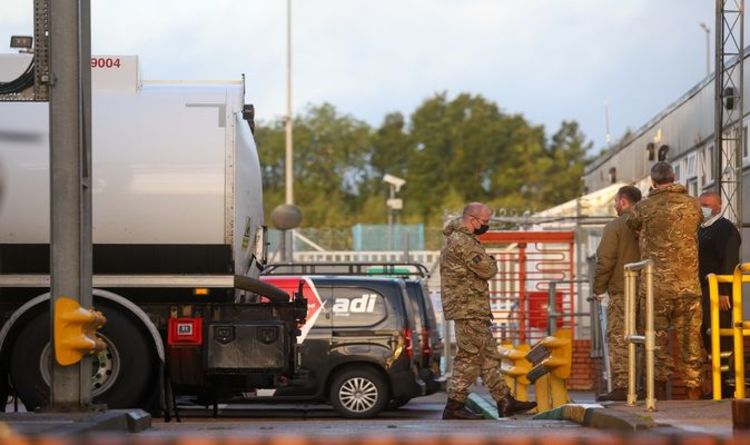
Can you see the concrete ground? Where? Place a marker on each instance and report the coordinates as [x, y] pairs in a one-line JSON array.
[[420, 418], [699, 416], [671, 416], [72, 423]]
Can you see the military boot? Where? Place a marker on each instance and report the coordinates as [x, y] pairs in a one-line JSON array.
[[509, 406], [458, 411]]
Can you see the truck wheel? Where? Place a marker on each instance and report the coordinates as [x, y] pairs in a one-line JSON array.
[[122, 375], [359, 393], [4, 391]]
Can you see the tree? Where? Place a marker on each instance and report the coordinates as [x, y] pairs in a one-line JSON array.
[[470, 146], [450, 151], [566, 151], [390, 149], [330, 161]]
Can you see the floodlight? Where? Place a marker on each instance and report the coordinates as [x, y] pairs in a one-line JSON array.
[[22, 42]]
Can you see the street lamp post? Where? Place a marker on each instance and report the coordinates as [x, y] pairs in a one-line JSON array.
[[708, 47], [287, 217], [288, 124], [394, 204]]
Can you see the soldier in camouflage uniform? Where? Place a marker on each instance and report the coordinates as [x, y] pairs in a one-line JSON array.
[[617, 248], [667, 227], [465, 268]]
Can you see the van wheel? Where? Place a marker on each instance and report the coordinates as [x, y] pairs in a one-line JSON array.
[[358, 393], [122, 376]]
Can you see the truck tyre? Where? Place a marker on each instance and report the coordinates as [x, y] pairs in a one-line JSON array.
[[123, 375], [359, 393], [4, 390]]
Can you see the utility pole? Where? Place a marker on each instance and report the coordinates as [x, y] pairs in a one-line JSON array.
[[708, 47], [607, 136], [289, 162], [288, 235], [70, 182], [729, 107]]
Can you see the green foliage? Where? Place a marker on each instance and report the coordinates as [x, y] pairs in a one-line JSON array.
[[450, 151]]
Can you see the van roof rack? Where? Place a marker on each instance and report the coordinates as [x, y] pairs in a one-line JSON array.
[[403, 269]]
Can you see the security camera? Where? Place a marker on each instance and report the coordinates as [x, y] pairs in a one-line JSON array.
[[394, 181]]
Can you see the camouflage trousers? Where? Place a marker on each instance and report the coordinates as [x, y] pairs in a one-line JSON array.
[[683, 313], [477, 356], [618, 347]]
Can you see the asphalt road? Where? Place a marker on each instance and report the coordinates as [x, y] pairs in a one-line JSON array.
[[421, 417]]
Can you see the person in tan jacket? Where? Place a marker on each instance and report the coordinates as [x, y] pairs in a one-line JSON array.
[[618, 247]]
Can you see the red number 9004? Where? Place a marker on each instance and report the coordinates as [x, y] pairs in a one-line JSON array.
[[102, 62]]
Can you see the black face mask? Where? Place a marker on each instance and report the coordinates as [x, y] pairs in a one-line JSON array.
[[482, 229]]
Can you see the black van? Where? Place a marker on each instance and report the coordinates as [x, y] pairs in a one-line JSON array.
[[429, 336], [357, 349]]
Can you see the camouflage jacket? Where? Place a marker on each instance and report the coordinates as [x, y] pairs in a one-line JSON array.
[[617, 248], [465, 268], [666, 224]]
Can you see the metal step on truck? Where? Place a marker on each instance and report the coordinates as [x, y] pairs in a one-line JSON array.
[[179, 240]]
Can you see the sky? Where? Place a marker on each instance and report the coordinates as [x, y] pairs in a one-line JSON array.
[[550, 60]]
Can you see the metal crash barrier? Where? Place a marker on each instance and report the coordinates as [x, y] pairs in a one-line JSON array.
[[631, 334], [738, 331], [552, 359], [514, 367]]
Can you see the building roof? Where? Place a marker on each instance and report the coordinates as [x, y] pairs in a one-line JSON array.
[[606, 156]]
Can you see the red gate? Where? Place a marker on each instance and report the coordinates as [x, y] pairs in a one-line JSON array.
[[519, 294]]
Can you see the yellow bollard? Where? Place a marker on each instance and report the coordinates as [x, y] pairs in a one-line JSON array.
[[558, 391], [561, 363], [738, 330], [514, 368], [542, 393], [553, 357], [737, 327], [522, 383], [631, 334], [509, 380], [713, 292]]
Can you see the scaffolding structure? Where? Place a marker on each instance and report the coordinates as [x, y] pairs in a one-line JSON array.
[[729, 107]]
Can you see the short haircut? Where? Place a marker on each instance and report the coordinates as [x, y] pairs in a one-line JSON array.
[[710, 194], [629, 192], [472, 208], [662, 173]]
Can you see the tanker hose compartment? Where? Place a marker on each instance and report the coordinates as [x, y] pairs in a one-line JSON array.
[[25, 80], [254, 285]]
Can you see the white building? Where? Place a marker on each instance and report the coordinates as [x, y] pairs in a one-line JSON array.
[[683, 134]]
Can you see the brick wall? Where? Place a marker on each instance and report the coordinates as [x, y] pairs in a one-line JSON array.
[[586, 372], [582, 371]]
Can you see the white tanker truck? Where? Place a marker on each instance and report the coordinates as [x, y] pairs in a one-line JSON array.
[[178, 235]]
